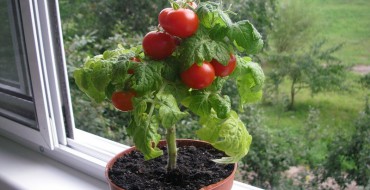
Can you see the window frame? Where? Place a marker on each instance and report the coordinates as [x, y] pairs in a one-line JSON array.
[[81, 150], [44, 135]]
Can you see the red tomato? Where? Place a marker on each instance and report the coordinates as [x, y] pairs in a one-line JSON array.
[[158, 45], [199, 77], [133, 59], [123, 100], [181, 22], [222, 70]]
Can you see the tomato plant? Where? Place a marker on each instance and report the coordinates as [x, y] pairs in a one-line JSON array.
[[199, 76], [136, 60], [158, 45], [224, 70], [191, 38], [181, 22], [122, 100]]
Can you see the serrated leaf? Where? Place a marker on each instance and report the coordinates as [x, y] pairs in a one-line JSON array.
[[247, 95], [228, 135], [85, 84], [221, 105], [250, 80], [200, 47], [145, 135], [109, 54], [120, 71], [198, 103], [169, 112], [94, 77], [148, 77], [101, 74], [244, 35], [218, 32], [210, 14]]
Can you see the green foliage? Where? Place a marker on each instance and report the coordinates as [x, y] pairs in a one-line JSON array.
[[293, 27], [351, 155], [107, 16], [158, 100], [266, 160], [365, 81], [250, 79], [261, 13], [200, 47], [307, 64], [229, 135]]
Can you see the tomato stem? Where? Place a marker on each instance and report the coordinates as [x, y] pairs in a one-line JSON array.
[[171, 148]]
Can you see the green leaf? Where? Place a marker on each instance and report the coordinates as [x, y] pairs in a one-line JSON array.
[[218, 32], [245, 36], [210, 14], [145, 136], [221, 105], [228, 135], [250, 80], [200, 47], [169, 112], [120, 71], [110, 54], [198, 103], [101, 74], [148, 76], [144, 130], [94, 77], [85, 84], [247, 95]]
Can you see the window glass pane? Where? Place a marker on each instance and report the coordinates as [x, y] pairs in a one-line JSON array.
[[13, 74], [16, 102], [8, 68]]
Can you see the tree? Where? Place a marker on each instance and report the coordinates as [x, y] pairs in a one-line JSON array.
[[307, 66], [348, 158]]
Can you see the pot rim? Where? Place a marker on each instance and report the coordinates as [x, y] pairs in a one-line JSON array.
[[211, 186]]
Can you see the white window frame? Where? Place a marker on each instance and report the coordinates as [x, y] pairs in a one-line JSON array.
[[85, 152], [43, 136]]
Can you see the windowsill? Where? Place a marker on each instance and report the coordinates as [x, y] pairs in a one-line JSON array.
[[23, 168]]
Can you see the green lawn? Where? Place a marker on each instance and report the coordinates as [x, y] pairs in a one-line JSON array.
[[340, 21], [348, 22]]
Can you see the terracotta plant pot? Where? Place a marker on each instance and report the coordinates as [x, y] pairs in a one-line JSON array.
[[225, 184]]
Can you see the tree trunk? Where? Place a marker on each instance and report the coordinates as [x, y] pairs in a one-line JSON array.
[[292, 96]]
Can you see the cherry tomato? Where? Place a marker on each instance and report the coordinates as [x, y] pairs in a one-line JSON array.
[[158, 45], [199, 77], [133, 59], [222, 70], [181, 22], [122, 100]]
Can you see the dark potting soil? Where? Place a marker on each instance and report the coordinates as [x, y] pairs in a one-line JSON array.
[[195, 169]]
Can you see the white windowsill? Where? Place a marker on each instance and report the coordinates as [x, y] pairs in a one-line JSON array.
[[23, 168]]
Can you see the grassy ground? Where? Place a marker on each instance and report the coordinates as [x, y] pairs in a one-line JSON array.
[[348, 22], [340, 21], [336, 113]]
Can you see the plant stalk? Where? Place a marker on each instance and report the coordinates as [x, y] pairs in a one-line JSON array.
[[171, 148]]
